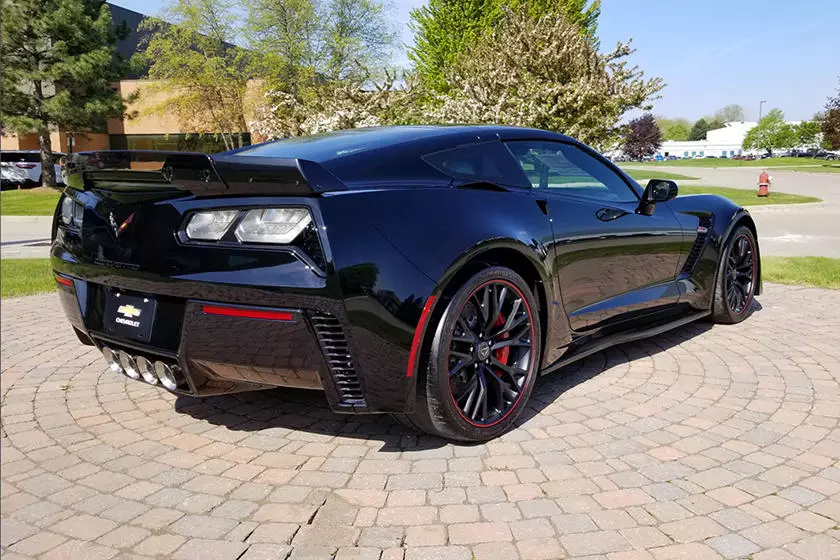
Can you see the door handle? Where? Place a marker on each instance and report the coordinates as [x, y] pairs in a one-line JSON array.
[[543, 204], [609, 214]]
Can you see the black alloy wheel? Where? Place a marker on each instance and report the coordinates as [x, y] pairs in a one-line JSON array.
[[490, 353], [740, 274], [480, 366], [737, 278]]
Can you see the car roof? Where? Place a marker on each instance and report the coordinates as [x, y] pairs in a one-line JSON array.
[[330, 146]]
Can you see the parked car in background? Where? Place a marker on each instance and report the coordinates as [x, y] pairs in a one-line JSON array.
[[23, 168], [821, 154]]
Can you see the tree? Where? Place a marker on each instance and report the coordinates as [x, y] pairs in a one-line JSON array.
[[643, 137], [772, 133], [699, 130], [205, 77], [58, 63], [730, 113], [702, 126], [831, 122], [544, 73], [445, 29], [337, 105], [302, 42], [356, 38], [674, 129], [808, 133], [285, 33]]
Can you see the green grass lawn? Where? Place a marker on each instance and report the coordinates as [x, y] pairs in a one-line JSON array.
[[39, 201], [802, 271], [23, 277], [718, 162], [644, 175], [824, 168], [744, 197]]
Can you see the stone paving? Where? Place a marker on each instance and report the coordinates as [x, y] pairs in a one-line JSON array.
[[707, 442]]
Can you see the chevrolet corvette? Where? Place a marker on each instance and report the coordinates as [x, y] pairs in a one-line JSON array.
[[428, 272]]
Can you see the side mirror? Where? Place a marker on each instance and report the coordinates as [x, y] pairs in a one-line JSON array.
[[657, 190]]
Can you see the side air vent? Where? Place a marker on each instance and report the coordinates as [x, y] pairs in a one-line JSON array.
[[696, 250], [334, 345]]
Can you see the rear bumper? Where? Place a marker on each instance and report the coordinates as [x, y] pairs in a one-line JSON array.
[[228, 353]]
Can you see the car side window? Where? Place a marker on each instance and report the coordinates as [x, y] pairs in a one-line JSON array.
[[488, 161], [566, 168]]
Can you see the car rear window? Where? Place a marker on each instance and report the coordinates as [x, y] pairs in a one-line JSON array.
[[28, 157]]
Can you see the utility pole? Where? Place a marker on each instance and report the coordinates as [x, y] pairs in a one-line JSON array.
[[760, 106]]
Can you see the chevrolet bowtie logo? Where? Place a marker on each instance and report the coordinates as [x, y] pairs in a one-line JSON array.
[[128, 311]]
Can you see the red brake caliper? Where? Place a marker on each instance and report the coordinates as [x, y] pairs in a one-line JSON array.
[[502, 354]]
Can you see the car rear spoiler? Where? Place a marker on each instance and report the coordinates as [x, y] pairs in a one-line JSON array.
[[200, 174]]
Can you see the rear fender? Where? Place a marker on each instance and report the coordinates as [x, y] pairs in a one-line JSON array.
[[443, 232]]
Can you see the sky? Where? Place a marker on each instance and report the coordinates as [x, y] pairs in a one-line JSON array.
[[710, 53]]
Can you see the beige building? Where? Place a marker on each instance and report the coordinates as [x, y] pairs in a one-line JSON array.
[[143, 130]]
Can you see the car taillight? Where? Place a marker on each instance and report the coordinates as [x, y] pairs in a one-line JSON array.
[[261, 225], [26, 165], [273, 225], [72, 212], [210, 226]]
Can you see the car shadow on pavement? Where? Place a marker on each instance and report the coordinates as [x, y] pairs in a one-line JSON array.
[[278, 410], [551, 387]]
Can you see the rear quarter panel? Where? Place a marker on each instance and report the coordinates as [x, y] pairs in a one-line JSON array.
[[394, 248]]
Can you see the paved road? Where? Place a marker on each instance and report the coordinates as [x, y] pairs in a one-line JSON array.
[[25, 236], [706, 442], [790, 229], [785, 230]]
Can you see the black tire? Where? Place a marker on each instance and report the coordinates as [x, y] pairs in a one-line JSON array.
[[494, 379], [736, 278]]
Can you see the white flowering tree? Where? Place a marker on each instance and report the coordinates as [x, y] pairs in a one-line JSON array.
[[332, 106], [544, 73]]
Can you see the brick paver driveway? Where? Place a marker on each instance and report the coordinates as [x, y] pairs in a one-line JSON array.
[[706, 442]]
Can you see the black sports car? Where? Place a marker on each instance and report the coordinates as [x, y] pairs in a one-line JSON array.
[[429, 272]]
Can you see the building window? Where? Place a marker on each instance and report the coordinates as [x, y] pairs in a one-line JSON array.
[[685, 154], [207, 143]]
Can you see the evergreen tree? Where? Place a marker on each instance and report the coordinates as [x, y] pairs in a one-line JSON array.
[[59, 64], [699, 130]]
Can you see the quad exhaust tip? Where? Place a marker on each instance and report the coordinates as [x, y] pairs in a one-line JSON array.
[[140, 367]]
